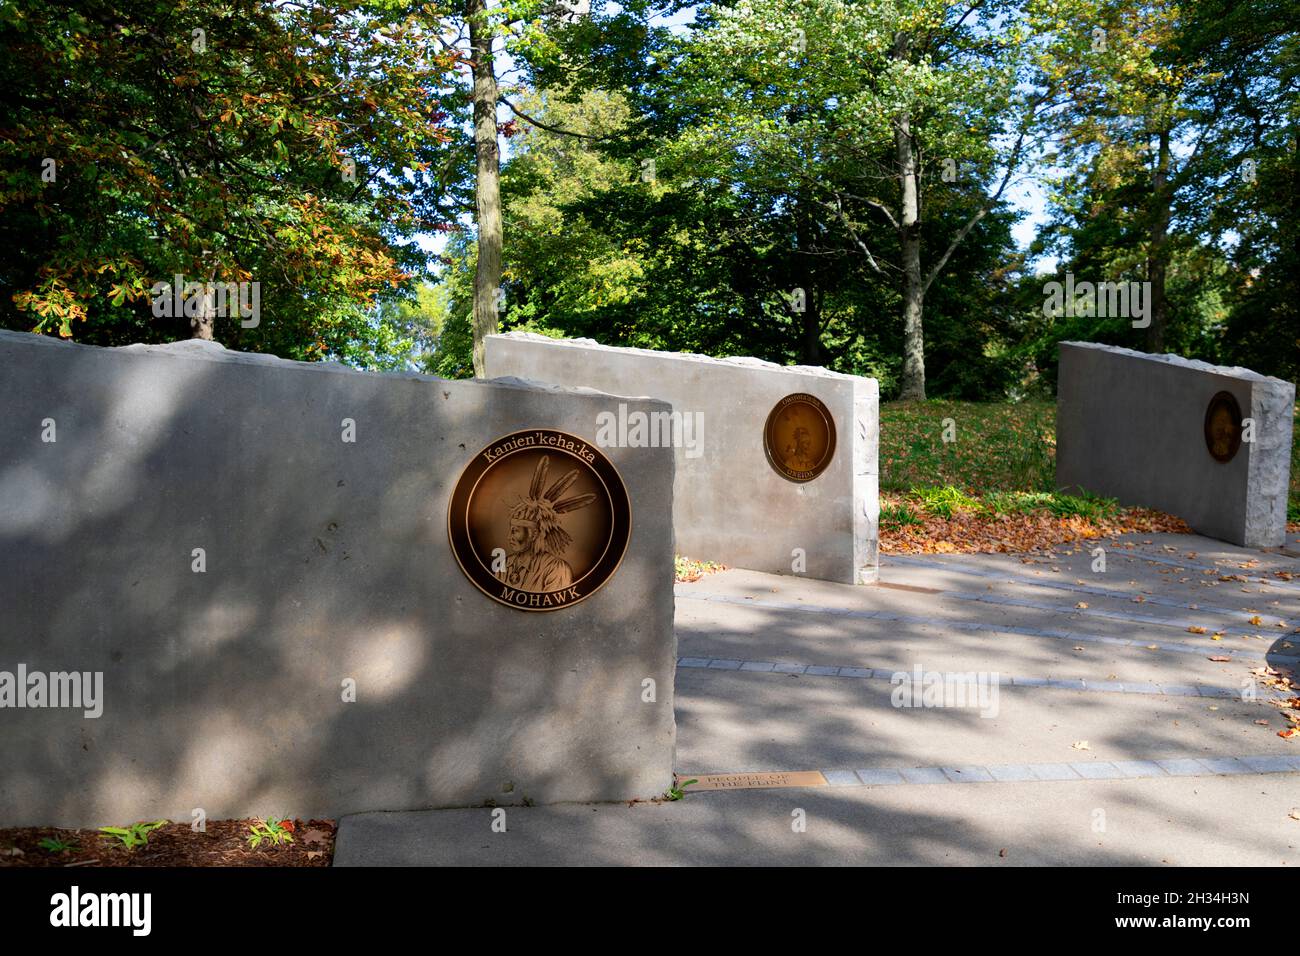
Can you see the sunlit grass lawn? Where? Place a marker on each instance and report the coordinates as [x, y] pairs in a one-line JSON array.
[[1003, 460], [997, 446]]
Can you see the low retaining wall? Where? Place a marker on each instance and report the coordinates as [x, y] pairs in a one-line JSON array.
[[730, 504], [1140, 428], [325, 564]]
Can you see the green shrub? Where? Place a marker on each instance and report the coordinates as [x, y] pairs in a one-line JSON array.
[[946, 501]]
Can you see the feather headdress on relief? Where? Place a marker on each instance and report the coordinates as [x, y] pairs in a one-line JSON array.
[[542, 510]]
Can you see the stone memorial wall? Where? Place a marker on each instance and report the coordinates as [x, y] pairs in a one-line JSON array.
[[776, 466], [1209, 444], [244, 586]]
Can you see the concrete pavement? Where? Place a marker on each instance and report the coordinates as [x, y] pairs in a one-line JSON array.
[[1105, 734]]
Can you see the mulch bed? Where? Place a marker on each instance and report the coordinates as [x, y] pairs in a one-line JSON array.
[[225, 843], [983, 533]]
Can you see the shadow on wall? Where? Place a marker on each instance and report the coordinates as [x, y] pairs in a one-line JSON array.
[[324, 561]]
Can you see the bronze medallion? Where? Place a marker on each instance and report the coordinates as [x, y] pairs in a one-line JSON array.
[[799, 437], [1223, 426], [539, 520]]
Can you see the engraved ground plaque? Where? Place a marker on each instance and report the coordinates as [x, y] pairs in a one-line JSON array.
[[539, 520]]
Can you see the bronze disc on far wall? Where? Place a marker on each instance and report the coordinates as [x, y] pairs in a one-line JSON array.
[[799, 437], [1223, 426], [539, 520]]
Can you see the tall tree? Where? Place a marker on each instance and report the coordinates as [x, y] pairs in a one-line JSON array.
[[255, 142], [487, 278], [1142, 126], [872, 116]]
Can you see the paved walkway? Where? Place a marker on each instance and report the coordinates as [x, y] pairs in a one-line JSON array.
[[1099, 730]]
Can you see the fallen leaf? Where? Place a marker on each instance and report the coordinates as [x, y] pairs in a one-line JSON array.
[[1221, 660], [1081, 604], [315, 836], [1262, 723], [1196, 630], [1080, 745], [1256, 620]]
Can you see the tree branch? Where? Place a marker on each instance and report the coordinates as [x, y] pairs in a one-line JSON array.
[[550, 129]]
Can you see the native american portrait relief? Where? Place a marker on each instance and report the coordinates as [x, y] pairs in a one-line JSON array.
[[539, 520], [798, 453], [535, 555], [1223, 427], [799, 437]]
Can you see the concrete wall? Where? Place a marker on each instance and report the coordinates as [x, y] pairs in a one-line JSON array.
[[1131, 426], [324, 561], [729, 504]]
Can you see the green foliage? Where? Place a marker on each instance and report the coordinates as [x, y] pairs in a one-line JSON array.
[[692, 178], [944, 502], [271, 830], [55, 845], [1003, 461], [1085, 505], [898, 516], [137, 834], [997, 446], [235, 142], [947, 501], [678, 790]]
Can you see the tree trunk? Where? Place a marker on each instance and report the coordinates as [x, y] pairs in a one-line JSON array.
[[811, 333], [910, 242], [204, 325], [1158, 248], [909, 235], [812, 328], [487, 277]]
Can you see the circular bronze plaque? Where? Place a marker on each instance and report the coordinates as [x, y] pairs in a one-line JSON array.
[[539, 520], [799, 437], [1223, 426]]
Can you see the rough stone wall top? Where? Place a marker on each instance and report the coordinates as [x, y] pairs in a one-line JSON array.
[[1168, 358], [739, 361], [208, 351]]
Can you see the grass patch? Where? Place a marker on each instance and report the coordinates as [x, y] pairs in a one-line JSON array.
[[1017, 502], [1087, 506], [898, 515], [948, 501], [997, 446], [1002, 460]]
